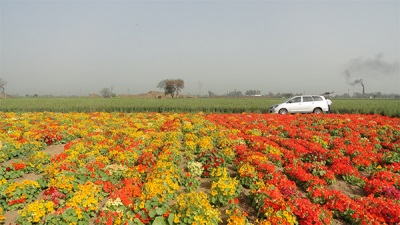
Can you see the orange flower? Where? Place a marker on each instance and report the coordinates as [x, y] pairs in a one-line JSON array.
[[18, 166]]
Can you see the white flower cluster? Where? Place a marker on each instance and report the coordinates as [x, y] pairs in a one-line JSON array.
[[113, 168], [113, 204], [195, 168]]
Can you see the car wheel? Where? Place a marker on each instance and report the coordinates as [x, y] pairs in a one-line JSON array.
[[283, 111], [317, 111]]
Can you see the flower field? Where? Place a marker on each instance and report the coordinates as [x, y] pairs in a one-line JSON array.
[[196, 168]]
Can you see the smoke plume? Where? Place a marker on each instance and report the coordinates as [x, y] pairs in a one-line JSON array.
[[368, 67], [358, 67], [354, 82], [358, 81], [376, 65]]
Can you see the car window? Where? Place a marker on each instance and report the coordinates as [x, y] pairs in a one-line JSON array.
[[297, 99], [317, 98], [307, 99]]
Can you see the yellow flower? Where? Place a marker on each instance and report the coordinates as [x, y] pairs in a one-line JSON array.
[[247, 170], [195, 206], [87, 197], [205, 143], [26, 184], [2, 217], [177, 218], [236, 220], [264, 222], [272, 150], [35, 211], [103, 159], [3, 181], [62, 182]]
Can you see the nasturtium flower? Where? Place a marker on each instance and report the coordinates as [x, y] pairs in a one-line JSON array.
[[194, 208], [36, 211]]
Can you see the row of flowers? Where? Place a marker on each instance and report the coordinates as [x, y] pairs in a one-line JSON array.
[[124, 168], [150, 168], [315, 151]]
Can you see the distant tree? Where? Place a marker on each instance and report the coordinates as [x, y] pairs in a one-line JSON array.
[[106, 93], [179, 85], [271, 94], [235, 93], [287, 95], [162, 84], [3, 84], [171, 87], [252, 92]]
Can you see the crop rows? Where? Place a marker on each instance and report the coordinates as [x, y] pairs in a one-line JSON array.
[[386, 107], [186, 168]]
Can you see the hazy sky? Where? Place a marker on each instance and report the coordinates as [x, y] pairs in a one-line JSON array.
[[78, 47]]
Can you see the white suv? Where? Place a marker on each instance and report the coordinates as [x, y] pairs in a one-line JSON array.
[[301, 104]]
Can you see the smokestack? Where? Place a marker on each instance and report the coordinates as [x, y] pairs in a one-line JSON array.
[[359, 81], [369, 67], [362, 84]]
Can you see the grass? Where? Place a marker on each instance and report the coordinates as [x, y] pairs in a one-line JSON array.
[[387, 107]]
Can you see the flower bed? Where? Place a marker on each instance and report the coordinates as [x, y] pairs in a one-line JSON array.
[[174, 168]]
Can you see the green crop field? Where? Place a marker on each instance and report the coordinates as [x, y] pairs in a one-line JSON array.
[[387, 107]]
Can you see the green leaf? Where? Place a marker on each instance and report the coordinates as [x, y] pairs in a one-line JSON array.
[[161, 210], [147, 205], [171, 219], [137, 221], [73, 218], [154, 201], [159, 221], [152, 213]]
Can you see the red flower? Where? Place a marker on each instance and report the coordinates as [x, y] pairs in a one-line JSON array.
[[166, 214], [17, 201], [18, 166]]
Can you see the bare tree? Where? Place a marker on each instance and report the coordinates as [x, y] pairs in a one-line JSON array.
[[3, 84]]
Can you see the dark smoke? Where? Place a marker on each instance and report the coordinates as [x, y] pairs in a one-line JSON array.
[[359, 81], [375, 66], [354, 82]]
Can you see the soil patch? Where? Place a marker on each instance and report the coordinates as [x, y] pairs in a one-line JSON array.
[[54, 149], [29, 176], [10, 217], [347, 189]]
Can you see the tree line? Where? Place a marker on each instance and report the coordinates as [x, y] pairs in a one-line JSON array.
[[173, 87]]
